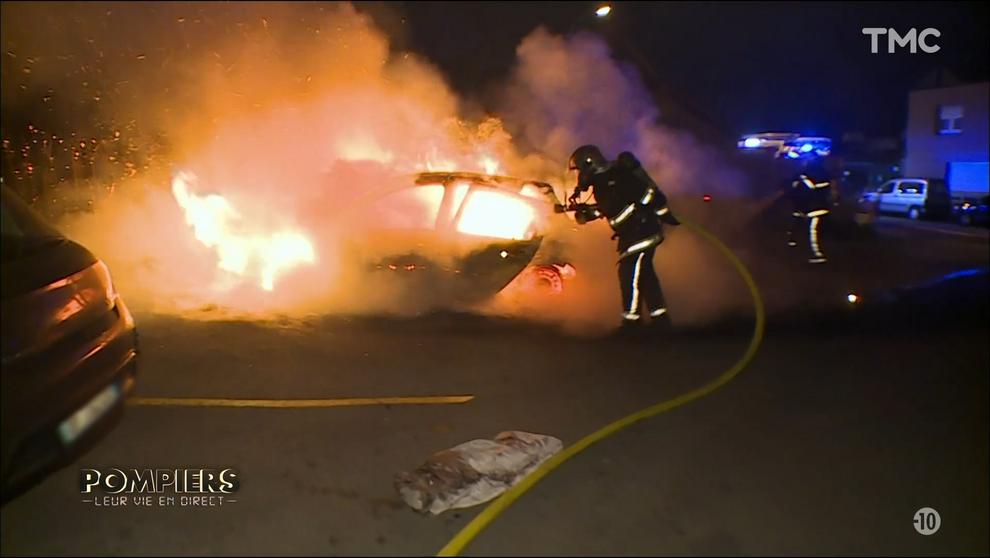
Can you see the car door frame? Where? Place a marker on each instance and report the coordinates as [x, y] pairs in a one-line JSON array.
[[906, 201], [884, 200]]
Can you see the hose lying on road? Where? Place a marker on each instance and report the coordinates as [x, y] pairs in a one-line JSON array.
[[490, 513]]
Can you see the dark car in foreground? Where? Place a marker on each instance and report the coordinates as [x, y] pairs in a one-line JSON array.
[[69, 349]]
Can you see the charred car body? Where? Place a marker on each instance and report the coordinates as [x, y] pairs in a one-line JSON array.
[[468, 235]]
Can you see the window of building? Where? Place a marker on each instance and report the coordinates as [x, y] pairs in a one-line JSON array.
[[949, 119]]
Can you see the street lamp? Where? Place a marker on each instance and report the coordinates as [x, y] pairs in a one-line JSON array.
[[603, 10]]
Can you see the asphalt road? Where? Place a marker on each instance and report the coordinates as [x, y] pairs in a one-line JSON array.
[[850, 419]]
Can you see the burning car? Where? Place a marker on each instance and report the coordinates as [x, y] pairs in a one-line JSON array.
[[467, 234], [457, 237]]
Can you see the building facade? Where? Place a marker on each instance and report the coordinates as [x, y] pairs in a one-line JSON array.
[[947, 125]]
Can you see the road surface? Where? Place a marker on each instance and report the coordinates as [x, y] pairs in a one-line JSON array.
[[850, 419]]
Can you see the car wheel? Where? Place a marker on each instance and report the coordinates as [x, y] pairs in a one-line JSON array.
[[914, 213]]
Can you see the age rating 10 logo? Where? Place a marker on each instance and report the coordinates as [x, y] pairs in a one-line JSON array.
[[927, 521]]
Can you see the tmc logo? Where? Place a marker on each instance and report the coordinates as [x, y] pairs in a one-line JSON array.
[[894, 39]]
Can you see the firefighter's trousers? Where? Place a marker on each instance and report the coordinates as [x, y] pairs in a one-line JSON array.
[[640, 286], [809, 225]]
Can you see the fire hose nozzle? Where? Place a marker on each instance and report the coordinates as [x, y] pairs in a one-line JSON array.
[[583, 212]]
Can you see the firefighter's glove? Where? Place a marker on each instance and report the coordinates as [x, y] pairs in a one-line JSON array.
[[584, 213]]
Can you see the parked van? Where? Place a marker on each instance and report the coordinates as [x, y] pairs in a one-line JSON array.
[[913, 197]]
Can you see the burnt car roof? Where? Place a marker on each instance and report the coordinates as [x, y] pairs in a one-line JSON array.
[[508, 183], [476, 177]]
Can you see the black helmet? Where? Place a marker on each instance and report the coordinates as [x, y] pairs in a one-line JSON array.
[[586, 158]]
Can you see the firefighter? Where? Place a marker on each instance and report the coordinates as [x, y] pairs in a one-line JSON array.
[[636, 209], [810, 191]]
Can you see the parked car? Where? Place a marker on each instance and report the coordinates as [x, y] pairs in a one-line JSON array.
[[69, 349], [913, 197]]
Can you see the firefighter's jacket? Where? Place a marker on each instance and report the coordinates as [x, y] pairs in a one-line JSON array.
[[811, 195], [631, 202]]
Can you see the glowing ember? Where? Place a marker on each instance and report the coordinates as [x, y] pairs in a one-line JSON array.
[[264, 256]]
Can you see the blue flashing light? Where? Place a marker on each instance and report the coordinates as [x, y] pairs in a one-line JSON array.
[[807, 147], [793, 154], [751, 142]]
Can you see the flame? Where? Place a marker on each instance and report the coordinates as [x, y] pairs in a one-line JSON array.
[[490, 165], [263, 256], [469, 158], [363, 148], [439, 165], [498, 215], [531, 191], [431, 160]]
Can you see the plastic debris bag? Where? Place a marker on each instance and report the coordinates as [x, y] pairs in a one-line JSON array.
[[474, 472]]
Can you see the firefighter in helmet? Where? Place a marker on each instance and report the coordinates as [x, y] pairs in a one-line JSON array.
[[810, 192], [636, 209]]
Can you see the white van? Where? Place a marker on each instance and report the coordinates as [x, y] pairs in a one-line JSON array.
[[914, 197]]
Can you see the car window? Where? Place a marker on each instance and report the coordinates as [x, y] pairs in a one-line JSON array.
[[455, 197], [886, 188], [497, 214], [911, 187], [411, 208]]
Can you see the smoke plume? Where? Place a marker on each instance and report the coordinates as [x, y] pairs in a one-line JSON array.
[[299, 118]]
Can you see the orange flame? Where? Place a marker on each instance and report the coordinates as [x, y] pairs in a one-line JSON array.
[[263, 256], [497, 215]]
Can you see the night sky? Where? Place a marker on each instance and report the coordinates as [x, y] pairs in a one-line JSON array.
[[742, 67], [747, 66]]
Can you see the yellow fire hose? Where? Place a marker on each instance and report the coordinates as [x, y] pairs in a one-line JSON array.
[[493, 510]]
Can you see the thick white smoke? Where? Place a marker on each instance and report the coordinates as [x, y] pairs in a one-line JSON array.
[[569, 91], [297, 129]]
